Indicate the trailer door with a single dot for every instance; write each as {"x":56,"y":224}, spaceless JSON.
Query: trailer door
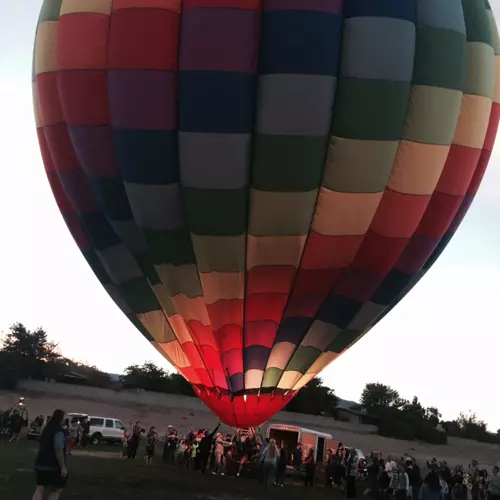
{"x":308,"y":441}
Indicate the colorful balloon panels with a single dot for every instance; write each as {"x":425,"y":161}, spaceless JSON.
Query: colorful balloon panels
{"x":257,"y":183}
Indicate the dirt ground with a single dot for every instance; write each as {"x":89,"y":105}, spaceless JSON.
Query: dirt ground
{"x":458,"y":451}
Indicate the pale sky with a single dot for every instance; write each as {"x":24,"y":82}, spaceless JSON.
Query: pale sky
{"x":442,"y":342}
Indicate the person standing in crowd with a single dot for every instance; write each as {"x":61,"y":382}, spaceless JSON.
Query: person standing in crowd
{"x":197,"y":462}
{"x":261,"y":456}
{"x":373,"y":470}
{"x":50,"y":463}
{"x":134,"y":440}
{"x":84,"y":432}
{"x":15,"y":426}
{"x":414,"y":476}
{"x":351,"y":473}
{"x":401,"y":484}
{"x":219,"y":454}
{"x":171,"y":441}
{"x":244,"y":447}
{"x":431,"y":489}
{"x":151,"y":439}
{"x":383,"y":480}
{"x":494,"y":485}
{"x":310,"y":468}
{"x":205,"y":447}
{"x":474,"y":480}
{"x":72,"y":435}
{"x":433,"y":466}
{"x":194,"y":452}
{"x":281,"y":468}
{"x":444,"y":485}
{"x":445,"y":473}
{"x":180,"y":453}
{"x":270,"y":461}
{"x":329,"y":468}
{"x":338,"y":459}
{"x":459,"y":491}
{"x":127,"y":436}
{"x":297,"y":458}
{"x":125,"y":439}
{"x":390,"y":466}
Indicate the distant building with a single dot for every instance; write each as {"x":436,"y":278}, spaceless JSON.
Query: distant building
{"x":349,"y":411}
{"x":72,"y":378}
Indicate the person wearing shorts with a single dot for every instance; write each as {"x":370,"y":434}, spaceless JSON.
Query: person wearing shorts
{"x":50,"y":463}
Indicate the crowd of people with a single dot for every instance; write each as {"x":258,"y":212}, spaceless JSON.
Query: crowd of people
{"x":406,"y":479}
{"x":381,"y":478}
{"x":235,"y":454}
{"x":252,"y":455}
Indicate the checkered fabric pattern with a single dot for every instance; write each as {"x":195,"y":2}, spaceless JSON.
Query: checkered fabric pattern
{"x":256,"y":183}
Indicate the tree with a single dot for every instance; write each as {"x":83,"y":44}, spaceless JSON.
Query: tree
{"x":152,"y":378}
{"x":415,"y":409}
{"x":314,"y":399}
{"x":30,"y":344}
{"x":400,"y":404}
{"x":378,"y":396}
{"x":433,"y":416}
{"x":148,"y":377}
{"x":472,"y":428}
{"x":29,"y":353}
{"x":179,"y":385}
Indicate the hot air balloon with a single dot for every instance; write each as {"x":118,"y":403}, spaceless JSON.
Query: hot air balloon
{"x":256,"y":183}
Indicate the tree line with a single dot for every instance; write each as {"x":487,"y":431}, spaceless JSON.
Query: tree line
{"x":403,"y":419}
{"x":30,"y":354}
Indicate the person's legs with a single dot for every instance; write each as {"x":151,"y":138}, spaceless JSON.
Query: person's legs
{"x":39,"y":491}
{"x":349,"y":486}
{"x":218,"y":463}
{"x":272,"y":473}
{"x":400,"y":494}
{"x":54,"y":495}
{"x":306,"y":479}
{"x":204,"y":462}
{"x":277,"y":476}
{"x":134,"y":445}
{"x":265,"y":474}
{"x":280,"y":478}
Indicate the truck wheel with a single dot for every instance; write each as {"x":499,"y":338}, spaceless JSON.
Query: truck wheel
{"x":96,"y":438}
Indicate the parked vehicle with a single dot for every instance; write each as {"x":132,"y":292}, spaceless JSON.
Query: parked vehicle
{"x":36,"y":428}
{"x":102,"y":429}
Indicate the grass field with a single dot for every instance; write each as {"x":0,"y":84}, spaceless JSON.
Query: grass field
{"x":100,"y":474}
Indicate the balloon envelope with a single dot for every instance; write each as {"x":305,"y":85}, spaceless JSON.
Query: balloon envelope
{"x":256,"y":183}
